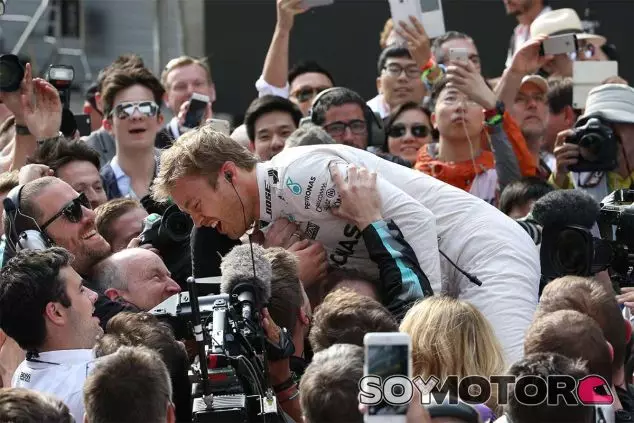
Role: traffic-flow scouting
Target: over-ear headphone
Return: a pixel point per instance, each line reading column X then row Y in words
column 22, row 232
column 376, row 133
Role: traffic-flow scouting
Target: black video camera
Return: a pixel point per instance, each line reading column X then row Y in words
column 11, row 73
column 598, row 143
column 170, row 235
column 574, row 250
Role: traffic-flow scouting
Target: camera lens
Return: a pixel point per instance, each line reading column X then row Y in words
column 179, row 226
column 11, row 73
column 590, row 145
column 570, row 255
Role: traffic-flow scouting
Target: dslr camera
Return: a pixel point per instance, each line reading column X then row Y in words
column 170, row 234
column 598, row 143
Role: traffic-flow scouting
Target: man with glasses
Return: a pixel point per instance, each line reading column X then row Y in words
column 47, row 309
column 131, row 104
column 64, row 217
column 306, row 79
column 399, row 81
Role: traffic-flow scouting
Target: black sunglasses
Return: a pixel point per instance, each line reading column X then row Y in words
column 71, row 211
column 399, row 130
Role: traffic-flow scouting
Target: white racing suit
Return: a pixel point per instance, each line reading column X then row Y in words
column 481, row 240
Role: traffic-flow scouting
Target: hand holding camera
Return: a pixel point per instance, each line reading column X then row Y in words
column 528, row 59
column 286, row 11
column 418, row 42
column 195, row 111
column 464, row 77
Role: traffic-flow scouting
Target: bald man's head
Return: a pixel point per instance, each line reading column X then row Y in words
column 137, row 276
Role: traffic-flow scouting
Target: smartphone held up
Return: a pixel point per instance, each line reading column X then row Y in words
column 198, row 104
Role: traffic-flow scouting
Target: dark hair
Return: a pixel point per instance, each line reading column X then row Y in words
column 436, row 89
column 107, row 213
column 542, row 365
column 345, row 317
column 122, row 78
column 145, row 330
column 436, row 47
column 58, row 152
column 268, row 104
column 129, row 386
column 308, row 66
column 391, row 52
column 574, row 335
column 335, row 97
column 28, row 282
column 25, row 405
column 410, row 105
column 338, row 275
column 124, row 61
column 520, row 192
column 559, row 94
column 590, row 297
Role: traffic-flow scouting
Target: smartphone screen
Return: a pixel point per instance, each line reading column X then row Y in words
column 386, row 361
column 83, row 124
column 196, row 111
column 429, row 5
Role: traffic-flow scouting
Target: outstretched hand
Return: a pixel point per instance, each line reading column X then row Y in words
column 465, row 77
column 527, row 59
column 418, row 42
column 286, row 11
column 41, row 107
column 360, row 200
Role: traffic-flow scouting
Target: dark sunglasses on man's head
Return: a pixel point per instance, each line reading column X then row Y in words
column 305, row 94
column 72, row 211
column 126, row 110
column 399, row 130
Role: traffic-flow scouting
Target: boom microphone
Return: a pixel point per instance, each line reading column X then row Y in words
column 566, row 207
column 246, row 275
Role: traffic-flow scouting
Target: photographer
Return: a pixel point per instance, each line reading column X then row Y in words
column 612, row 141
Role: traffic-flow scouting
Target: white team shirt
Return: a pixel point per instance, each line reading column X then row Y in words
column 60, row 374
column 480, row 239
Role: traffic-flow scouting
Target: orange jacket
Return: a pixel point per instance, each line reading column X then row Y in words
column 525, row 160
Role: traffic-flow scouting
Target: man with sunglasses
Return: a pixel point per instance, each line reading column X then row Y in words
column 64, row 217
column 306, row 79
column 131, row 104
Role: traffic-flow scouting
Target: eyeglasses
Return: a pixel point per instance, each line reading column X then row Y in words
column 399, row 130
column 72, row 211
column 525, row 99
column 125, row 110
column 395, row 70
column 585, row 51
column 453, row 99
column 307, row 93
column 338, row 129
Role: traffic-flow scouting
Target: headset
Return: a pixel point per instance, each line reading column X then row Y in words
column 22, row 239
column 376, row 132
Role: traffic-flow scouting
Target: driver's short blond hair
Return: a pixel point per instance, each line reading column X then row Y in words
column 200, row 152
column 181, row 61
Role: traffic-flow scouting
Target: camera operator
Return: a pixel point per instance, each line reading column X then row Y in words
column 613, row 132
column 120, row 221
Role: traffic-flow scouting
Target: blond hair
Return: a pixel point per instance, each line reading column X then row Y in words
column 182, row 61
column 200, row 152
column 451, row 337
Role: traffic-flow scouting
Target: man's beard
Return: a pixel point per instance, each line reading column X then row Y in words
column 522, row 8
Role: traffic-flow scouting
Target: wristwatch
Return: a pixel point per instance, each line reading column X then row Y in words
column 22, row 130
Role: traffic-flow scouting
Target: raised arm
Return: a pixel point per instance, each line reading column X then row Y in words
column 275, row 72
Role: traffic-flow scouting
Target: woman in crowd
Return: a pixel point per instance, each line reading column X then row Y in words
column 450, row 337
column 464, row 105
column 408, row 128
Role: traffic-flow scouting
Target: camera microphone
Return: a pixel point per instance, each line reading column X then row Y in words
column 566, row 207
column 246, row 276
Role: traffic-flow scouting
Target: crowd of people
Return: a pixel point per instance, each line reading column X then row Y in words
column 428, row 210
